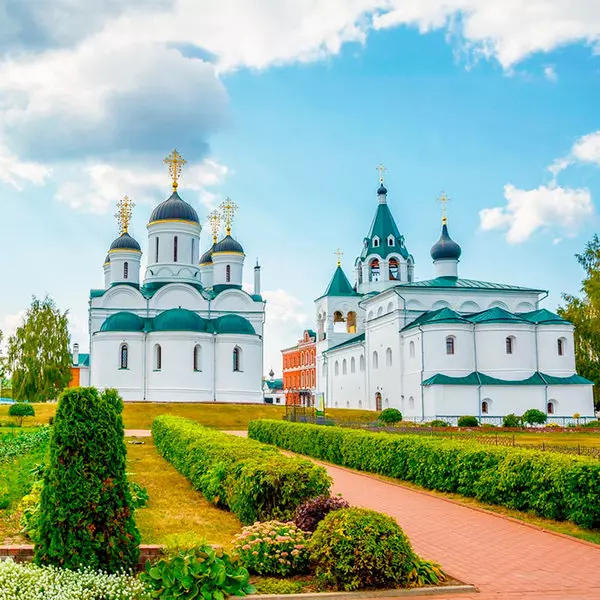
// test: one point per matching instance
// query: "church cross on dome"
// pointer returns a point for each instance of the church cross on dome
(381, 170)
(124, 211)
(214, 219)
(443, 200)
(339, 255)
(175, 162)
(228, 208)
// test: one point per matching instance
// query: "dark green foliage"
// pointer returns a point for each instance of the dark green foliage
(12, 446)
(533, 416)
(354, 548)
(512, 421)
(86, 514)
(203, 573)
(591, 424)
(390, 415)
(439, 423)
(425, 572)
(310, 513)
(139, 495)
(274, 585)
(20, 410)
(256, 482)
(468, 421)
(552, 485)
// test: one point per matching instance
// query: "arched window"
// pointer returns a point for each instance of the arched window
(510, 344)
(197, 358)
(394, 269)
(391, 241)
(484, 407)
(388, 357)
(380, 311)
(411, 349)
(351, 322)
(375, 360)
(344, 367)
(192, 259)
(228, 273)
(338, 317)
(156, 250)
(450, 344)
(375, 242)
(125, 270)
(378, 406)
(303, 380)
(374, 270)
(175, 248)
(561, 344)
(237, 359)
(550, 408)
(336, 368)
(157, 357)
(124, 356)
(361, 363)
(352, 365)
(411, 402)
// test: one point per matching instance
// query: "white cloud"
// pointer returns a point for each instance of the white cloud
(553, 208)
(550, 73)
(585, 150)
(16, 172)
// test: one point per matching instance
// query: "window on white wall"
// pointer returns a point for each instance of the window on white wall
(197, 358)
(352, 365)
(411, 402)
(157, 357)
(362, 363)
(450, 344)
(510, 344)
(192, 259)
(228, 273)
(175, 248)
(123, 356)
(344, 367)
(485, 407)
(336, 368)
(374, 270)
(125, 270)
(375, 360)
(561, 345)
(550, 408)
(156, 254)
(388, 357)
(411, 349)
(237, 359)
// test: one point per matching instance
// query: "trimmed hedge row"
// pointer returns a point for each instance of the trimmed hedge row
(551, 485)
(254, 481)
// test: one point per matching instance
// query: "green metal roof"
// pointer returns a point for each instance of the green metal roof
(124, 321)
(477, 378)
(543, 316)
(339, 285)
(442, 315)
(179, 319)
(355, 340)
(495, 315)
(471, 284)
(383, 226)
(233, 324)
(275, 384)
(84, 360)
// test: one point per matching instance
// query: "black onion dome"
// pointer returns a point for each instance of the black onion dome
(174, 208)
(445, 248)
(228, 244)
(382, 190)
(125, 242)
(207, 256)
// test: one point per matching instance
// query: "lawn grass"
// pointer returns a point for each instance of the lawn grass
(176, 514)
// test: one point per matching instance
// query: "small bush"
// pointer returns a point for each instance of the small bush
(533, 416)
(425, 572)
(512, 420)
(19, 411)
(310, 513)
(273, 548)
(390, 415)
(201, 572)
(354, 548)
(139, 495)
(468, 421)
(592, 424)
(439, 423)
(273, 585)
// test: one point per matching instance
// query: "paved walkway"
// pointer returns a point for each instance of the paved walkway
(138, 433)
(506, 560)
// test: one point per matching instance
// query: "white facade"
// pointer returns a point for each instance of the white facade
(445, 347)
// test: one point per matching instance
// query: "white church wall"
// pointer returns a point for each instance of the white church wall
(436, 358)
(234, 261)
(568, 400)
(244, 385)
(550, 360)
(492, 358)
(347, 388)
(174, 295)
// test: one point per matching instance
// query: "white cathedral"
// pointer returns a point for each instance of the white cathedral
(187, 332)
(444, 347)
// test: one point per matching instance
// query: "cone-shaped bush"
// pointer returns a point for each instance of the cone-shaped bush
(86, 515)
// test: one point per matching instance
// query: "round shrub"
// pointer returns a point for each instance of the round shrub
(310, 513)
(273, 548)
(511, 421)
(468, 421)
(390, 415)
(20, 410)
(354, 548)
(533, 416)
(439, 423)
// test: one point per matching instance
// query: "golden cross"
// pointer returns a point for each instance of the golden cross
(175, 162)
(228, 208)
(124, 210)
(381, 170)
(215, 224)
(339, 254)
(443, 200)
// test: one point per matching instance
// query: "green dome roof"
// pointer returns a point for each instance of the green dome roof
(123, 321)
(179, 319)
(233, 324)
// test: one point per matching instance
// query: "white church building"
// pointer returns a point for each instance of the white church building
(444, 347)
(186, 331)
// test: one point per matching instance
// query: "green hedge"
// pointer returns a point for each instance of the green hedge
(551, 485)
(254, 481)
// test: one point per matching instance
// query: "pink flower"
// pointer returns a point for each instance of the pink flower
(284, 554)
(246, 547)
(255, 553)
(299, 546)
(281, 560)
(295, 552)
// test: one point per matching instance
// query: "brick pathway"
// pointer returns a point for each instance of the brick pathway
(504, 559)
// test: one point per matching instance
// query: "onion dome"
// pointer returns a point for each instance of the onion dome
(174, 208)
(445, 248)
(123, 321)
(125, 242)
(228, 244)
(206, 258)
(179, 319)
(233, 324)
(382, 190)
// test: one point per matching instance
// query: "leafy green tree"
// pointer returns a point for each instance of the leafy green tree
(533, 416)
(584, 313)
(38, 353)
(19, 411)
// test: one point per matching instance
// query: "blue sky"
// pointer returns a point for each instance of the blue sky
(288, 108)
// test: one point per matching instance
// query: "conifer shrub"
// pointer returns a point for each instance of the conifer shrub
(354, 548)
(20, 410)
(86, 516)
(468, 421)
(310, 513)
(390, 415)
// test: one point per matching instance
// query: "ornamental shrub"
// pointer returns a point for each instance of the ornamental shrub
(19, 411)
(390, 415)
(468, 421)
(255, 481)
(354, 548)
(273, 548)
(439, 423)
(512, 420)
(202, 572)
(533, 416)
(310, 513)
(561, 487)
(591, 424)
(86, 517)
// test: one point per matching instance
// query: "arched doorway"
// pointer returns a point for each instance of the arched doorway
(378, 405)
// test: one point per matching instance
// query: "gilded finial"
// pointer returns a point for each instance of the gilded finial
(443, 200)
(175, 162)
(339, 255)
(381, 170)
(215, 224)
(124, 210)
(228, 208)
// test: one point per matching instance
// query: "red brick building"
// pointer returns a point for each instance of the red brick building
(300, 370)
